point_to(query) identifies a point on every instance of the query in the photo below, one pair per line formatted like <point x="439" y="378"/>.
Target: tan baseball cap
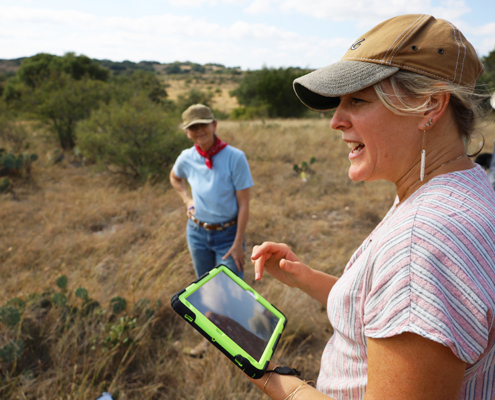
<point x="197" y="114"/>
<point x="415" y="42"/>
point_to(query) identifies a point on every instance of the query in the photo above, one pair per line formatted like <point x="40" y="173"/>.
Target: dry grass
<point x="221" y="98"/>
<point x="118" y="241"/>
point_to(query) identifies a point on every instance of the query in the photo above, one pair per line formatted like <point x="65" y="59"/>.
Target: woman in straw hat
<point x="414" y="311"/>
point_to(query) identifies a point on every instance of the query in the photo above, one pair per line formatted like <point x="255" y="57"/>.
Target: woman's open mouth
<point x="355" y="146"/>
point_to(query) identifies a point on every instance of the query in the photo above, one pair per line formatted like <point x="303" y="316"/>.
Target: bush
<point x="127" y="86"/>
<point x="271" y="89"/>
<point x="488" y="77"/>
<point x="58" y="91"/>
<point x="246" y="113"/>
<point x="194" y="96"/>
<point x="138" y="138"/>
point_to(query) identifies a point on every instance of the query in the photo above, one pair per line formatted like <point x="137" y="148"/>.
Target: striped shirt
<point x="427" y="268"/>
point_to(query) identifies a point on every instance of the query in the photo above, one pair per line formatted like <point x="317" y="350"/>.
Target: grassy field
<point x="114" y="240"/>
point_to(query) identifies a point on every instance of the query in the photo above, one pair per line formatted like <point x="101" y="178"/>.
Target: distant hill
<point x="10" y="67"/>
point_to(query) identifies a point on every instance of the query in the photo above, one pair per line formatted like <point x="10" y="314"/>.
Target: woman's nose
<point x="339" y="121"/>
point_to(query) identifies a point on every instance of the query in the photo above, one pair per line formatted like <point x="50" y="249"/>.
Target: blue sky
<point x="245" y="33"/>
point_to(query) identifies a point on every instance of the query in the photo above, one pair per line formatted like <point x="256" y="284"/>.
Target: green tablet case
<point x="245" y="359"/>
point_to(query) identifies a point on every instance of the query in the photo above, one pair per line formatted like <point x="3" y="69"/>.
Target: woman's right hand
<point x="190" y="208"/>
<point x="279" y="261"/>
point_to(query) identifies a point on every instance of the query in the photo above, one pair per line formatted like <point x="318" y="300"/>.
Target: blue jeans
<point x="208" y="247"/>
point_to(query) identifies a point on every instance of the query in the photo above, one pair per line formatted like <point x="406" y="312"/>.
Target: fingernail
<point x="257" y="276"/>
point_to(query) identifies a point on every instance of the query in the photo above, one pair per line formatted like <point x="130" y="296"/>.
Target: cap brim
<point x="198" y="121"/>
<point x="320" y="90"/>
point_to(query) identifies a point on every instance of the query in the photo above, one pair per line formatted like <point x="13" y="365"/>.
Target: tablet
<point x="233" y="317"/>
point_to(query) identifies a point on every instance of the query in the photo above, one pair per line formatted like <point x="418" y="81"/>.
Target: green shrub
<point x="194" y="96"/>
<point x="138" y="138"/>
<point x="487" y="80"/>
<point x="247" y="113"/>
<point x="125" y="87"/>
<point x="271" y="88"/>
<point x="58" y="91"/>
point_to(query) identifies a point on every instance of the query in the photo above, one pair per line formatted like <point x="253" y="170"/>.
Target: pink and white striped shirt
<point x="427" y="268"/>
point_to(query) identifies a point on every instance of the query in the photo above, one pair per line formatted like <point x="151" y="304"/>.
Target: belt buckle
<point x="205" y="225"/>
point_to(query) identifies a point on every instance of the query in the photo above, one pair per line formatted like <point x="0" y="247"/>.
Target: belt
<point x="213" y="227"/>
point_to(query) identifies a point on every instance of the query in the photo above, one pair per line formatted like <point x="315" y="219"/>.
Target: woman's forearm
<point x="279" y="387"/>
<point x="318" y="285"/>
<point x="242" y="216"/>
<point x="179" y="185"/>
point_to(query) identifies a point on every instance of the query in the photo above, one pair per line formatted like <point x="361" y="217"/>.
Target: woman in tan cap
<point x="218" y="208"/>
<point x="414" y="311"/>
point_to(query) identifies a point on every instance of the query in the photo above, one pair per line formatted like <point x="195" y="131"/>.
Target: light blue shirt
<point x="214" y="190"/>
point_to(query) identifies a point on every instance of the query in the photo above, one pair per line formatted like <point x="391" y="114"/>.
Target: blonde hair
<point x="411" y="94"/>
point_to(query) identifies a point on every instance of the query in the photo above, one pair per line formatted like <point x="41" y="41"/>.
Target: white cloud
<point x="200" y="3"/>
<point x="487" y="34"/>
<point x="361" y="11"/>
<point x="163" y="38"/>
<point x="167" y="37"/>
<point x="450" y="10"/>
<point x="259" y="7"/>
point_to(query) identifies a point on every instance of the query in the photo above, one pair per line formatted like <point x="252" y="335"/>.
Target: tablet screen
<point x="236" y="312"/>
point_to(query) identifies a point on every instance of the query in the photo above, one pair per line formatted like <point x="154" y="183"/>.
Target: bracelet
<point x="292" y="394"/>
<point x="266" y="382"/>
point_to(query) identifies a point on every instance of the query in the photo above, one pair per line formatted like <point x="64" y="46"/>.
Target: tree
<point x="58" y="91"/>
<point x="137" y="138"/>
<point x="271" y="90"/>
<point x="37" y="70"/>
<point x="62" y="103"/>
<point x="488" y="77"/>
<point x="173" y="69"/>
<point x="194" y="96"/>
<point x="126" y="87"/>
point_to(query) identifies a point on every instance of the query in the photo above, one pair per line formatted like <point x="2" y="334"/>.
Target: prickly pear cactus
<point x="14" y="165"/>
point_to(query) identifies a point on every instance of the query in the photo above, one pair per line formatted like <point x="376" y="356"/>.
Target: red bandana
<point x="218" y="146"/>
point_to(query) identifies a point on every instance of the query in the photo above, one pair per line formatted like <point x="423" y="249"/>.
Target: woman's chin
<point x="355" y="174"/>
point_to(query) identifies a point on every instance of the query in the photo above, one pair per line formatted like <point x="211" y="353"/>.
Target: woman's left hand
<point x="237" y="253"/>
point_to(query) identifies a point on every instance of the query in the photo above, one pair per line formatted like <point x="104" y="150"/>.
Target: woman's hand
<point x="237" y="253"/>
<point x="190" y="208"/>
<point x="279" y="261"/>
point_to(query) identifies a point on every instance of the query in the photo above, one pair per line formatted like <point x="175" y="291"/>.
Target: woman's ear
<point x="436" y="109"/>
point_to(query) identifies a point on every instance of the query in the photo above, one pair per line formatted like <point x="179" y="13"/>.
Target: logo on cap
<point x="357" y="44"/>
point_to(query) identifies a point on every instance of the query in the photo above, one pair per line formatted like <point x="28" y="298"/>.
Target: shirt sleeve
<point x="179" y="167"/>
<point x="241" y="174"/>
<point x="425" y="281"/>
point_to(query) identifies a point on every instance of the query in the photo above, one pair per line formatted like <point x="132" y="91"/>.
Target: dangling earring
<point x="423" y="152"/>
<point x="423" y="158"/>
